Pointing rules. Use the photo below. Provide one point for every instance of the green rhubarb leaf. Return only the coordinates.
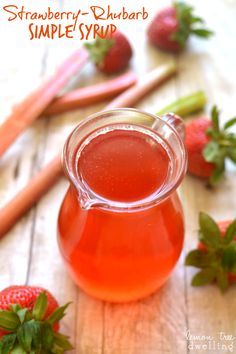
(199, 259)
(9, 321)
(209, 231)
(7, 343)
(40, 306)
(204, 277)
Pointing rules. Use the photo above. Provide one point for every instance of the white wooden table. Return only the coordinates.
(29, 253)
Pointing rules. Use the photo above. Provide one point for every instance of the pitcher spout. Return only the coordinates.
(86, 201)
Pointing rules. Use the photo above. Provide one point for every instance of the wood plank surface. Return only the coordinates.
(29, 253)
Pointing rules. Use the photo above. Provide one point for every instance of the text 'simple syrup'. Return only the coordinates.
(122, 254)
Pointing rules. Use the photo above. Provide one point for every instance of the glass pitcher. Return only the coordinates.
(120, 226)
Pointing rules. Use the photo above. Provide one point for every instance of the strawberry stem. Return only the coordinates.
(186, 105)
(188, 24)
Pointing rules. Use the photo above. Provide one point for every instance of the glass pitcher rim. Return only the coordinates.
(94, 200)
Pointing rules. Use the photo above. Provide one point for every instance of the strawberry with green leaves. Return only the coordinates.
(216, 253)
(29, 322)
(172, 27)
(111, 54)
(209, 146)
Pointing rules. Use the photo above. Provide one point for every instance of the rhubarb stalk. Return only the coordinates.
(91, 94)
(30, 109)
(42, 182)
(186, 105)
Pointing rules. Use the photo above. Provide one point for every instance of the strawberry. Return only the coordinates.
(110, 54)
(172, 26)
(216, 253)
(29, 321)
(208, 147)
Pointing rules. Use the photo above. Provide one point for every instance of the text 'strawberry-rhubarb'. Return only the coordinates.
(215, 255)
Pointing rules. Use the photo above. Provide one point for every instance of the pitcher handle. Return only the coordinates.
(176, 122)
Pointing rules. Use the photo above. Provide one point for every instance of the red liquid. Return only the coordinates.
(122, 256)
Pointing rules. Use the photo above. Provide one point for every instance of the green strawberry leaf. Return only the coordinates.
(187, 23)
(209, 231)
(196, 20)
(99, 49)
(47, 336)
(230, 123)
(229, 257)
(7, 343)
(199, 259)
(222, 280)
(22, 313)
(230, 233)
(232, 155)
(15, 307)
(25, 336)
(221, 146)
(211, 151)
(37, 335)
(204, 277)
(29, 334)
(40, 306)
(215, 118)
(202, 32)
(217, 174)
(62, 341)
(58, 314)
(18, 350)
(9, 321)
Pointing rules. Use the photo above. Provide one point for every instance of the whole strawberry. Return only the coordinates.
(172, 26)
(216, 253)
(29, 321)
(110, 54)
(208, 146)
